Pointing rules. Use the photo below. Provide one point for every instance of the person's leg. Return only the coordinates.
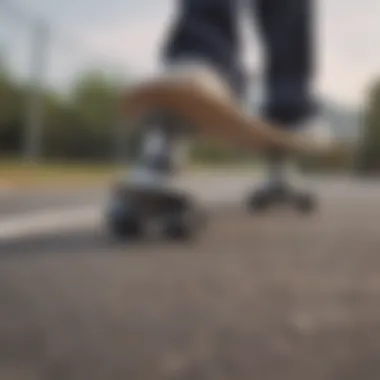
(207, 31)
(201, 49)
(286, 29)
(203, 35)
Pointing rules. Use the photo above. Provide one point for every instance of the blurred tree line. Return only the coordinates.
(77, 125)
(83, 125)
(363, 158)
(369, 151)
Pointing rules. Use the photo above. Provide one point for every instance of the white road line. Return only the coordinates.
(57, 221)
(225, 193)
(52, 221)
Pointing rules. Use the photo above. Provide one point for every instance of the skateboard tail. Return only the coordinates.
(212, 116)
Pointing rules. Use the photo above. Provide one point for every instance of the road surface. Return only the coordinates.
(277, 296)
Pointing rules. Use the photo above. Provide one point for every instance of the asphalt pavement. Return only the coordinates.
(274, 296)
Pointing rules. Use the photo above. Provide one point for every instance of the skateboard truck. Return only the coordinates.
(164, 143)
(148, 197)
(278, 190)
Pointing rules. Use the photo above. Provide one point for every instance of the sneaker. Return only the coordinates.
(178, 79)
(197, 74)
(182, 84)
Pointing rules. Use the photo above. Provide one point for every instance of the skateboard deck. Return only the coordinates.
(210, 114)
(213, 116)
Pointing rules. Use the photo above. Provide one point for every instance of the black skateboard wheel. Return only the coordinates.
(259, 201)
(134, 209)
(183, 223)
(124, 220)
(305, 202)
(265, 198)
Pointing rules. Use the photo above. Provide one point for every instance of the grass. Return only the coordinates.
(20, 174)
(15, 173)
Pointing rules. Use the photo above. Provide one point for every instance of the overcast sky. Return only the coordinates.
(130, 32)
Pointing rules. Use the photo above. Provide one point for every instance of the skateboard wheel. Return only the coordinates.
(306, 203)
(124, 221)
(176, 228)
(182, 224)
(260, 200)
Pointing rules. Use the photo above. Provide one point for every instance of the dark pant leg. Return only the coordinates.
(286, 29)
(208, 30)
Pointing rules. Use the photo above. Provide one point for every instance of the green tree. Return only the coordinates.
(83, 126)
(12, 97)
(369, 159)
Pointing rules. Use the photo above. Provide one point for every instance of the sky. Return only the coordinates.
(127, 34)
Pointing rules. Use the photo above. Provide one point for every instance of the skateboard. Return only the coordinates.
(133, 207)
(135, 210)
